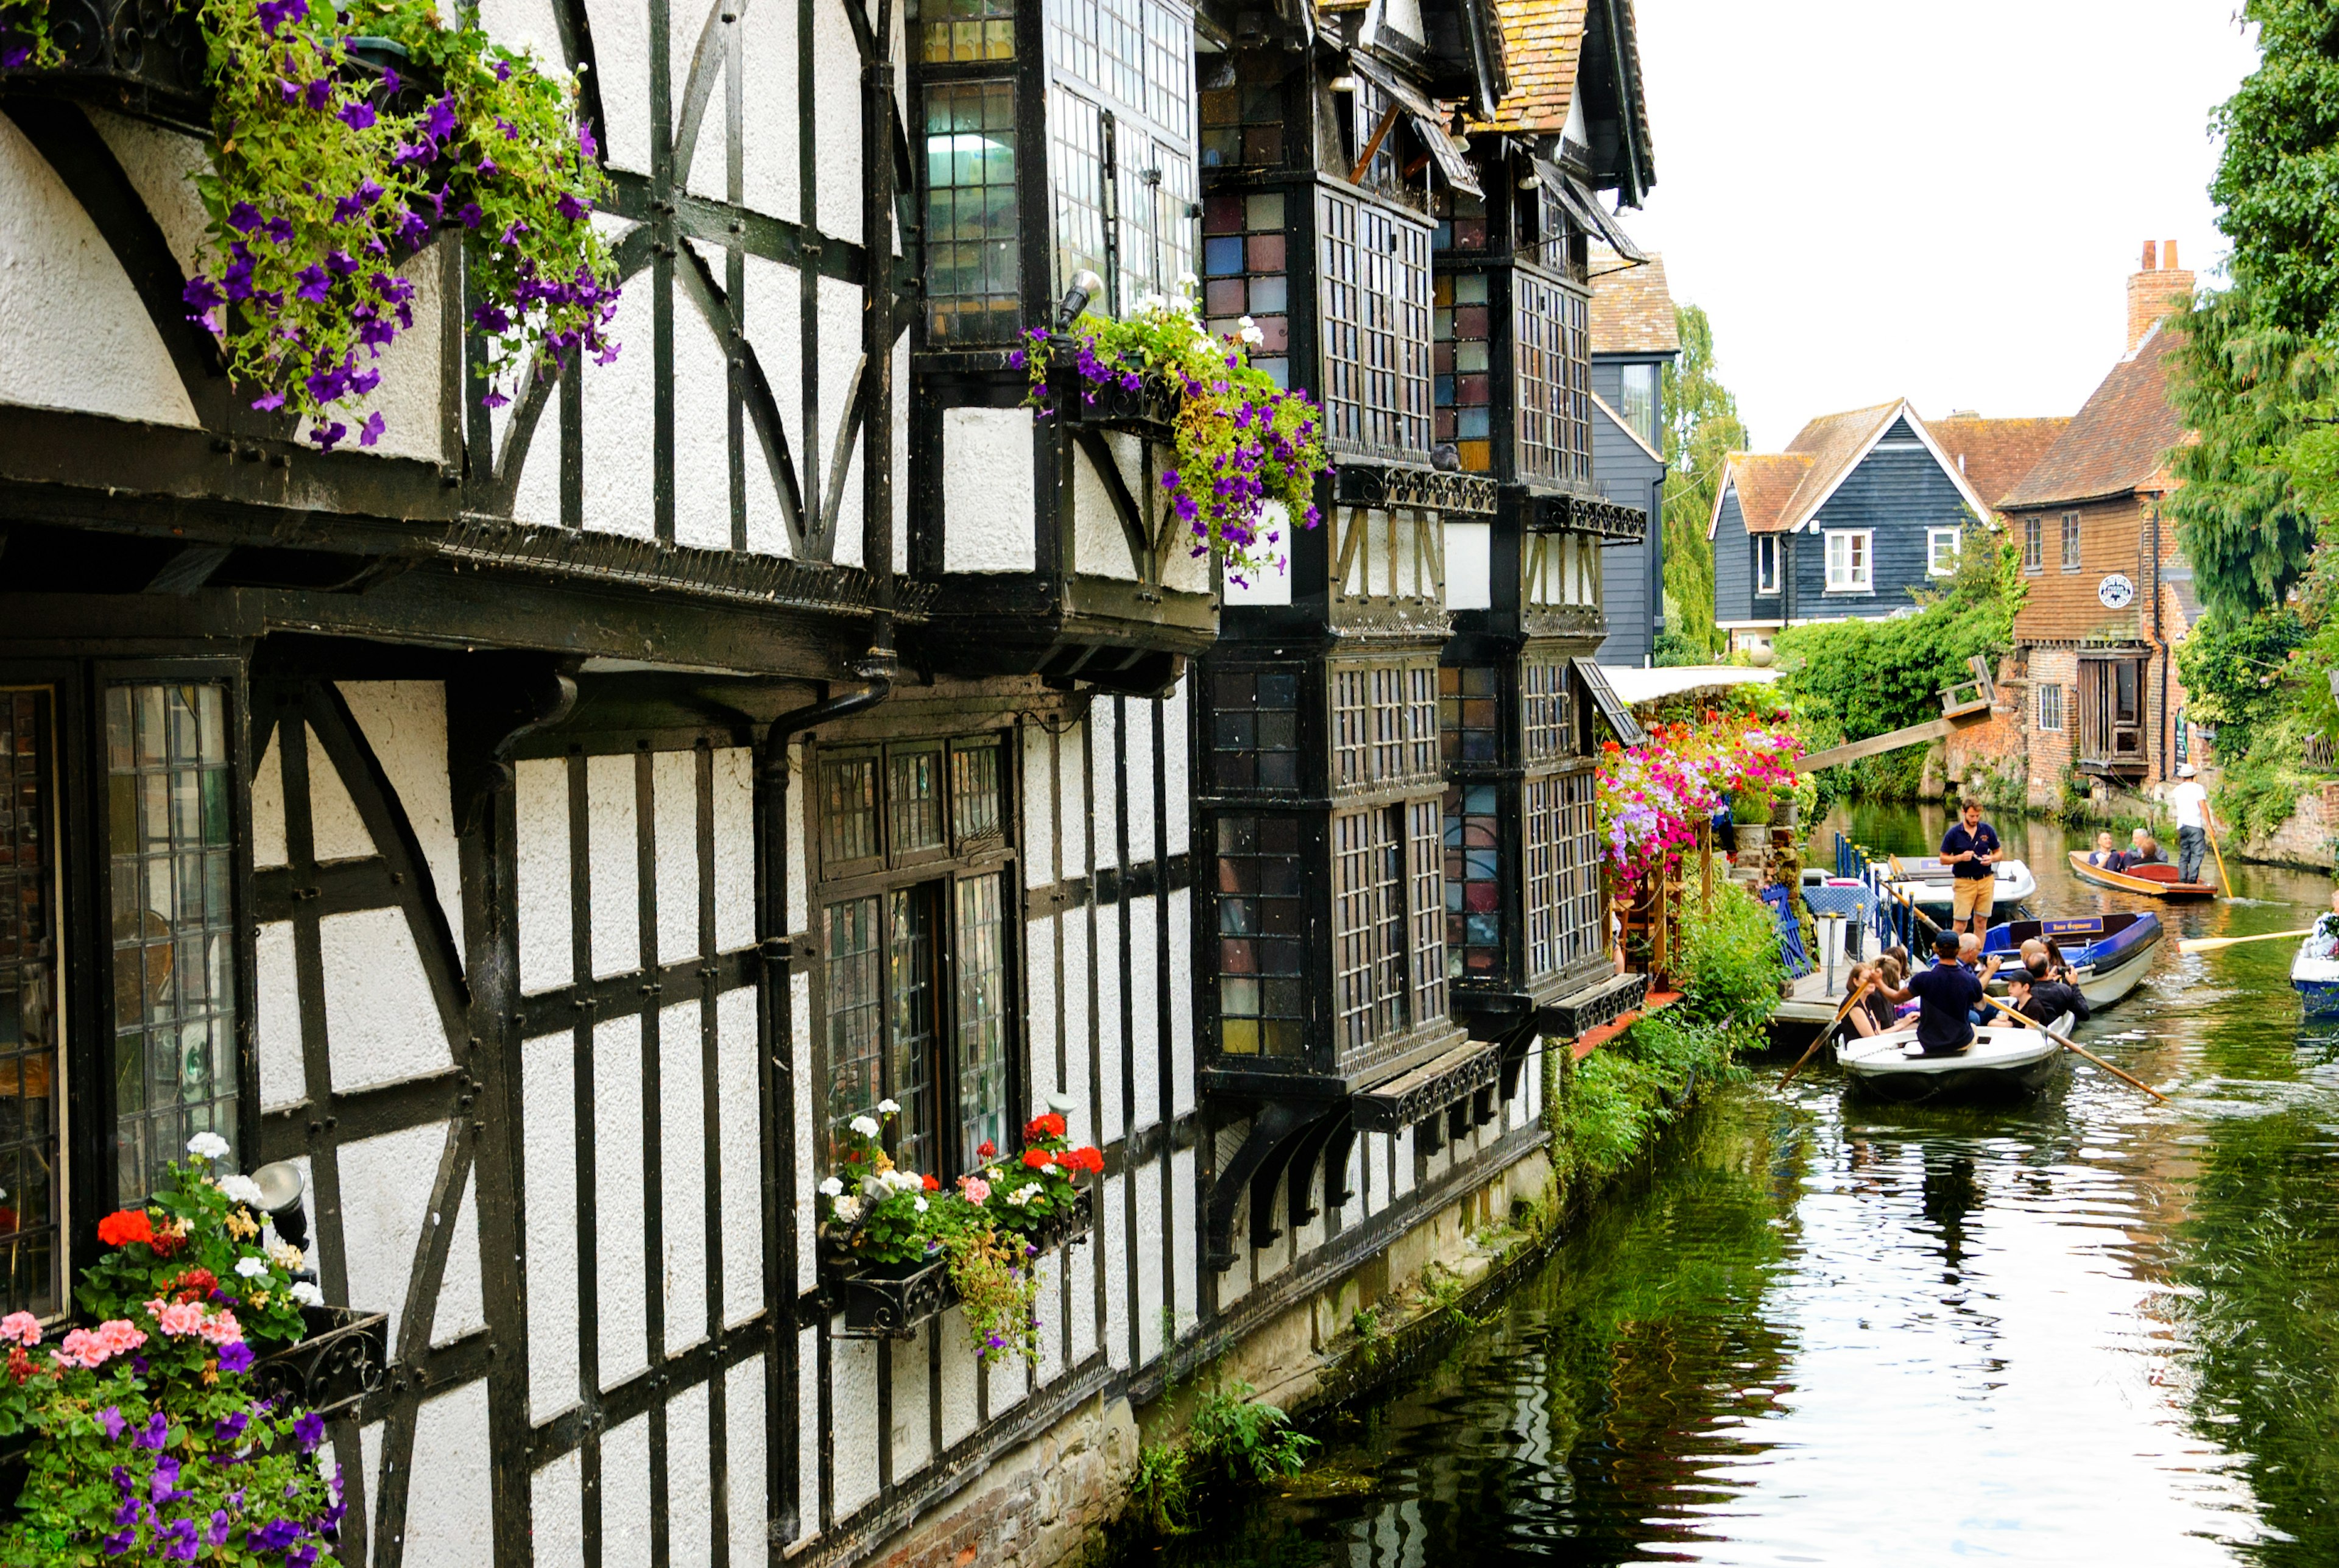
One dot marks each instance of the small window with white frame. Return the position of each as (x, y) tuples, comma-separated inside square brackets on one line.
[(1941, 548), (1851, 560), (2034, 548), (2051, 707), (1766, 564), (2070, 541)]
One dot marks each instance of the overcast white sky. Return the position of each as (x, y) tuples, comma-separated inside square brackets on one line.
[(1941, 200)]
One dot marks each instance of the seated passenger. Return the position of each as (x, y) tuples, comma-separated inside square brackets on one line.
[(1874, 1014), (2043, 994), (2105, 856), (1950, 991), (2323, 941), (2147, 850)]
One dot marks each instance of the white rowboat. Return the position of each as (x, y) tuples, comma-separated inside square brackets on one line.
[(2003, 1062)]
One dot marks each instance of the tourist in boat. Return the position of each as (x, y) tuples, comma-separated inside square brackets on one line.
[(2190, 803), (2043, 992), (1970, 848), (2106, 856), (2147, 850), (1874, 1015), (1949, 992), (2323, 941)]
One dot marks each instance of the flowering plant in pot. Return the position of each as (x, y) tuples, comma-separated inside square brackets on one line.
[(981, 1227), (150, 1440), (342, 142), (1652, 798), (1247, 451)]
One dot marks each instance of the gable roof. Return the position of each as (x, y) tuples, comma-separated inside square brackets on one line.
[(1996, 454), (1631, 434), (1631, 307), (1543, 50), (1827, 450), (2120, 440), (1765, 482)]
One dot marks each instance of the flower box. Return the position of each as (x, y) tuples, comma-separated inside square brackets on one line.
[(141, 57), (890, 1300), (1149, 410)]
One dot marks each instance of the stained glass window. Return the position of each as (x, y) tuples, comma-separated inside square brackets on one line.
[(913, 801), (175, 990), (973, 280), (30, 1194), (1261, 930), (1467, 713), (1245, 254), (975, 794), (848, 812), (1463, 382), (1242, 121), (953, 32), (1472, 882)]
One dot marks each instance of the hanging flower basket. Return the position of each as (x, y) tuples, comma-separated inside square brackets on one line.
[(146, 58), (890, 1300)]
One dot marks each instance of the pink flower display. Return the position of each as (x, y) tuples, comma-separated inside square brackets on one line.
[(94, 1347), (1653, 796), (975, 1188), (221, 1328), (180, 1318), (20, 1328)]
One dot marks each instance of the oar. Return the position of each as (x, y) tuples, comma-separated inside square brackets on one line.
[(2071, 1045), (2208, 824), (2211, 943), (1824, 1035)]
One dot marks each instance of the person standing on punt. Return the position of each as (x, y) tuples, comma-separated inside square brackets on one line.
[(1970, 848), (1949, 992), (2190, 802)]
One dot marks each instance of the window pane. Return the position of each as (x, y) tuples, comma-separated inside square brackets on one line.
[(175, 1042), (850, 980), (1261, 936), (974, 793), (1373, 274), (848, 810), (30, 1198), (973, 284), (909, 1021), (982, 1063), (913, 801)]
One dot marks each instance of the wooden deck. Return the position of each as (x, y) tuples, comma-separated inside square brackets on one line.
[(1812, 1003)]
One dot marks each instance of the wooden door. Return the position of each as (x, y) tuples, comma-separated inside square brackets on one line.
[(2111, 711)]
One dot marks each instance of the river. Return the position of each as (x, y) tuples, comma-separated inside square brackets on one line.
[(2090, 1330)]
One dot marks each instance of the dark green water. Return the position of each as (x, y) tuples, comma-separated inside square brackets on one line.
[(2096, 1330)]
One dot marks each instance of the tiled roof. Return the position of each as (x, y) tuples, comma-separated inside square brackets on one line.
[(1631, 309), (1996, 453), (1833, 442), (1766, 482), (1541, 42), (2118, 441)]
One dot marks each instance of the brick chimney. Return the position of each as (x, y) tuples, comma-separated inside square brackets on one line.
[(2154, 290)]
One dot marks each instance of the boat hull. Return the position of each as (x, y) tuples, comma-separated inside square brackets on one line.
[(2001, 1064), (2108, 954), (2143, 880), (2316, 981)]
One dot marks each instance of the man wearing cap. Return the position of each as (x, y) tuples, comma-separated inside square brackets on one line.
[(2190, 802)]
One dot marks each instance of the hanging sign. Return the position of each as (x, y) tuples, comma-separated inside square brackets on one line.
[(2116, 591)]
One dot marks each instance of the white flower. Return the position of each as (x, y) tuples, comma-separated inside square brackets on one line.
[(888, 1107), (1188, 281), (252, 1265), (287, 1256), (241, 1189), (866, 1126), (922, 1206), (207, 1145), (833, 1188), (848, 1209), (1253, 336), (306, 1293)]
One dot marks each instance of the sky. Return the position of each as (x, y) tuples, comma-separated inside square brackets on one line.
[(1940, 200)]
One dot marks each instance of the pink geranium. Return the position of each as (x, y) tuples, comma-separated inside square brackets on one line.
[(975, 1188), (20, 1328), (180, 1318), (221, 1328)]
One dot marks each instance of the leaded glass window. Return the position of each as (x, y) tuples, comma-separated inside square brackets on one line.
[(1371, 998), (1544, 827), (1255, 729), (954, 32), (1554, 357), (1374, 284), (1245, 257), (974, 278), (1121, 145), (1544, 709), (1242, 121), (1351, 712), (171, 835), (848, 812), (30, 1107), (1425, 904), (1584, 925), (975, 795), (1262, 927), (1473, 881), (1463, 383), (913, 801), (982, 1065), (853, 978), (1468, 706)]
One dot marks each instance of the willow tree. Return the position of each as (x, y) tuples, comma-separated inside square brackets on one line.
[(1702, 429)]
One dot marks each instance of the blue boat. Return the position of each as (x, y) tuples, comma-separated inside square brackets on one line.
[(2108, 954), (2316, 979)]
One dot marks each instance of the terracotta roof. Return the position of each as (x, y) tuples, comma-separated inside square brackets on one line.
[(1833, 442), (2118, 441), (1997, 453), (1631, 309), (1541, 42), (1766, 482)]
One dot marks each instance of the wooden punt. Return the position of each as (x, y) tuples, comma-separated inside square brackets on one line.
[(2160, 882)]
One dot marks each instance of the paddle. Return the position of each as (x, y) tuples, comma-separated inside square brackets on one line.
[(2211, 943), (1824, 1035), (2209, 826), (2070, 1045)]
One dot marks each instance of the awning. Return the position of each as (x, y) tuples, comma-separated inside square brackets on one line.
[(1611, 707), (1426, 121), (1585, 208)]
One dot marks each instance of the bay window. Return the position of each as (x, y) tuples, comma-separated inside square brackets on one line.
[(1120, 118), (916, 952)]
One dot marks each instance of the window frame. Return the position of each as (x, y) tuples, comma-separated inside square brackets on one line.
[(2071, 541), (2047, 724), (1649, 422), (1766, 565), (2033, 546), (967, 856), (1860, 552), (1935, 537)]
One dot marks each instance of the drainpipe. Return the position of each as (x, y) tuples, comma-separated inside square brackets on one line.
[(775, 1034)]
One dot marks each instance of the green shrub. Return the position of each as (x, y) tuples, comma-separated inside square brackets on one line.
[(1163, 1491), (1245, 1440), (1732, 966)]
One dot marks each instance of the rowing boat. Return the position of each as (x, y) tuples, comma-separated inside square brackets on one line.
[(2108, 954), (2316, 979), (1930, 882), (2002, 1063), (2157, 880)]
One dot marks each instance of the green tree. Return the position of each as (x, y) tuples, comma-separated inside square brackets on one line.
[(2280, 165), (1702, 429)]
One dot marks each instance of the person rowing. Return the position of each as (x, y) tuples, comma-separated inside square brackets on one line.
[(1948, 993)]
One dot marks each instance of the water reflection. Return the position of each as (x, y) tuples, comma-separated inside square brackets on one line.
[(2091, 1330)]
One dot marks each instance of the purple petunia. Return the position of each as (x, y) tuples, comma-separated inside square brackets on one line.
[(438, 120), (469, 214), (319, 93), (155, 1434), (570, 208), (358, 116), (327, 435), (274, 13), (114, 1545), (315, 284), (371, 431), (112, 1419), (237, 1356), (267, 402), (309, 1431)]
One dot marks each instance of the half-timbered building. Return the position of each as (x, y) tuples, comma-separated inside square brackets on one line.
[(547, 827)]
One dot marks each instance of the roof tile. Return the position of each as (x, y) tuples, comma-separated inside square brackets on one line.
[(1996, 453), (1631, 309), (2118, 441), (1766, 482)]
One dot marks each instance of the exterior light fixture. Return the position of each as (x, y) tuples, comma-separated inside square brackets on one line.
[(1086, 286)]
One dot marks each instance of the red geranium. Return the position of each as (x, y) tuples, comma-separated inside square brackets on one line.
[(125, 1226), (985, 1150), (1037, 1158), (195, 1285), (1047, 1126), (1091, 1160), (931, 1185)]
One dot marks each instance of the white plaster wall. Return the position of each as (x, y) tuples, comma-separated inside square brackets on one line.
[(1080, 1325), (548, 1151), (1080, 1038), (386, 1185), (1100, 549), (1144, 1046), (1110, 1045), (268, 809), (702, 435), (621, 50), (901, 449), (462, 1296), (276, 1018), (1469, 566), (840, 349), (625, 1496), (807, 1142), (1137, 802), (739, 1108), (960, 1412), (1040, 938), (1151, 1284), (615, 864), (540, 789), (1188, 1223), (412, 370), (558, 1516), (1401, 1162), (537, 498), (807, 1420), (1182, 1002), (773, 312), (620, 1206), (1373, 1156), (734, 849), (913, 1434), (684, 1157), (525, 24), (743, 1450), (450, 1514), (1177, 744), (990, 497), (768, 162), (1112, 1229), (689, 1458), (853, 1410), (673, 828), (836, 120), (162, 165), (619, 470), (405, 723), (381, 1021), (800, 838), (1181, 568), (1040, 866), (1072, 792), (1272, 584), (78, 335)]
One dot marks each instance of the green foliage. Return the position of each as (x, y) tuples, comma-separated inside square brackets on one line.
[(1702, 429), (1732, 966), (1852, 679), (2239, 674), (1163, 1491), (2280, 165), (1245, 1440), (2244, 385), (1365, 1323), (2258, 794)]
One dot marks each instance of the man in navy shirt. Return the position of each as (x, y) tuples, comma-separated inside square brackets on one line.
[(1949, 992), (1970, 850)]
